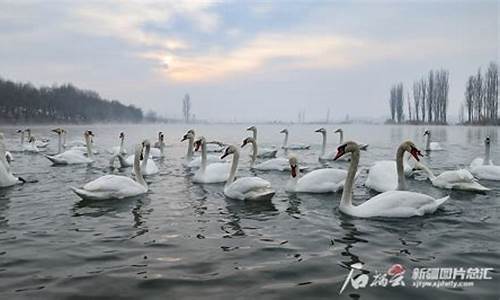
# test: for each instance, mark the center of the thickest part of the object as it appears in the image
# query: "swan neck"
(254, 153)
(89, 147)
(146, 157)
(22, 137)
(341, 136)
(189, 155)
(137, 170)
(59, 143)
(428, 142)
(346, 200)
(162, 148)
(234, 167)
(487, 150)
(400, 170)
(203, 156)
(254, 134)
(323, 146)
(121, 145)
(285, 141)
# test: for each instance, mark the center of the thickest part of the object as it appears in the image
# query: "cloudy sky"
(247, 60)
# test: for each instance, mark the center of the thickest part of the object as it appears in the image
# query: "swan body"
(245, 188)
(460, 179)
(37, 143)
(30, 146)
(317, 181)
(6, 177)
(210, 173)
(263, 152)
(73, 157)
(292, 146)
(115, 186)
(383, 176)
(431, 146)
(391, 204)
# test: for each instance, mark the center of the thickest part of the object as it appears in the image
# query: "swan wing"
(322, 181)
(488, 172)
(110, 186)
(280, 164)
(69, 157)
(249, 188)
(382, 176)
(214, 173)
(398, 204)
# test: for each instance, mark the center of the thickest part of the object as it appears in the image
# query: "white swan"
(31, 146)
(340, 131)
(115, 186)
(38, 143)
(119, 149)
(209, 173)
(263, 152)
(148, 166)
(453, 180)
(158, 152)
(393, 204)
(245, 188)
(194, 162)
(6, 177)
(323, 156)
(71, 157)
(292, 146)
(273, 164)
(383, 175)
(9, 157)
(487, 170)
(479, 161)
(318, 181)
(431, 146)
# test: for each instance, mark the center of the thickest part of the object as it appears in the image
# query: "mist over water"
(185, 240)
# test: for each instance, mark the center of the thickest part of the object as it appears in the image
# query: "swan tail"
(86, 195)
(440, 201)
(54, 160)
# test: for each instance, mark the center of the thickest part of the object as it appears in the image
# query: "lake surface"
(187, 241)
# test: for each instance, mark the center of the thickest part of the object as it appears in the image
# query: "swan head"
(410, 147)
(161, 137)
(188, 136)
(427, 132)
(198, 143)
(284, 130)
(122, 135)
(320, 130)
(58, 130)
(252, 128)
(346, 148)
(231, 149)
(293, 165)
(31, 140)
(247, 141)
(20, 131)
(339, 130)
(146, 143)
(487, 140)
(191, 131)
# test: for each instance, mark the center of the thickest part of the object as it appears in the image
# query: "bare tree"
(469, 99)
(186, 108)
(478, 96)
(417, 95)
(399, 102)
(491, 92)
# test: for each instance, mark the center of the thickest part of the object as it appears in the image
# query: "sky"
(248, 60)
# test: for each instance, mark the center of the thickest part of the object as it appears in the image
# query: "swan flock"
(388, 178)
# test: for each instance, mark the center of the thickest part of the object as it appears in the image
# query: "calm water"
(184, 240)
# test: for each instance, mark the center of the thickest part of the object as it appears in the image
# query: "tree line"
(427, 102)
(25, 103)
(481, 98)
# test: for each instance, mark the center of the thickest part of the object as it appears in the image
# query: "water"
(183, 240)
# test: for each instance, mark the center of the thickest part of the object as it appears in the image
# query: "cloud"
(289, 51)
